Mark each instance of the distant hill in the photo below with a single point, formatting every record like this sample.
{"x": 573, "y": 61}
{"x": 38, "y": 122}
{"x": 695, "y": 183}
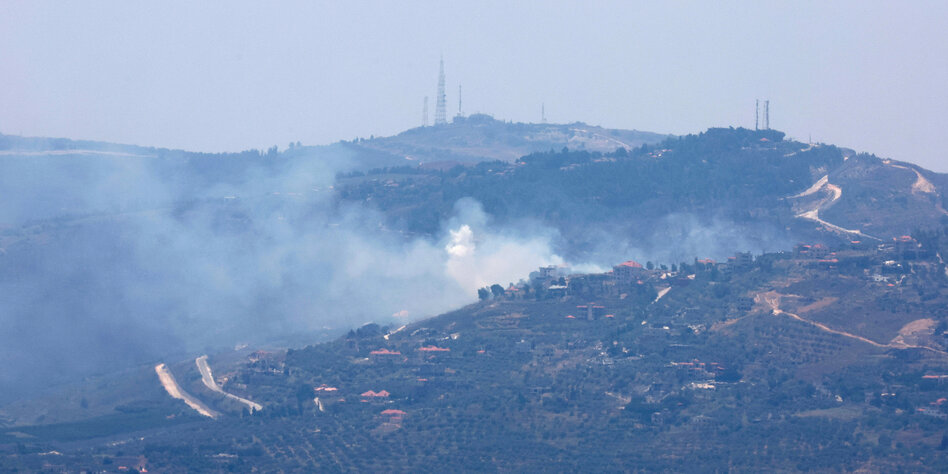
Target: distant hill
{"x": 480, "y": 137}
{"x": 709, "y": 194}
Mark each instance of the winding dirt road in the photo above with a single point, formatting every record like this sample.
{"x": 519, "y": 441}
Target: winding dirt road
{"x": 772, "y": 299}
{"x": 208, "y": 378}
{"x": 171, "y": 386}
{"x": 813, "y": 213}
{"x": 921, "y": 185}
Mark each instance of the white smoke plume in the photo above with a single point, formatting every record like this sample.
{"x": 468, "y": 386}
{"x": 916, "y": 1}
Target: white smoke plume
{"x": 131, "y": 263}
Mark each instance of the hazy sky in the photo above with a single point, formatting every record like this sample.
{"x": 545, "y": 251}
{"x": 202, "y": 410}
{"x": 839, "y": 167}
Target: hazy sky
{"x": 234, "y": 75}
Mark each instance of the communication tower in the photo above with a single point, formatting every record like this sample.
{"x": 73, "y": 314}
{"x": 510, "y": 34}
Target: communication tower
{"x": 542, "y": 113}
{"x": 762, "y": 118}
{"x": 757, "y": 114}
{"x": 440, "y": 112}
{"x": 767, "y": 115}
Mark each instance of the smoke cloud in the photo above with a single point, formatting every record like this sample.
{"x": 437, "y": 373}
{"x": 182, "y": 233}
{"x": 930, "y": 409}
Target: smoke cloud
{"x": 147, "y": 259}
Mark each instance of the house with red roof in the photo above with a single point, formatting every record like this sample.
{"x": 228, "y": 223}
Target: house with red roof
{"x": 375, "y": 397}
{"x": 628, "y": 272}
{"x": 324, "y": 389}
{"x": 434, "y": 348}
{"x": 816, "y": 251}
{"x": 593, "y": 310}
{"x": 384, "y": 352}
{"x": 392, "y": 417}
{"x": 385, "y": 355}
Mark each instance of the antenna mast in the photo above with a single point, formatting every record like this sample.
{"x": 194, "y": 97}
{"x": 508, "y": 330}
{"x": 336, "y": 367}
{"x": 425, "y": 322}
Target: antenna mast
{"x": 767, "y": 114}
{"x": 542, "y": 113}
{"x": 757, "y": 114}
{"x": 440, "y": 112}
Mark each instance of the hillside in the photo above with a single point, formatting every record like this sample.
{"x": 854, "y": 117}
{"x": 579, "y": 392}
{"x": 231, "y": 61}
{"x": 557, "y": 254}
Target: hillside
{"x": 175, "y": 246}
{"x": 705, "y": 195}
{"x": 754, "y": 362}
{"x": 815, "y": 341}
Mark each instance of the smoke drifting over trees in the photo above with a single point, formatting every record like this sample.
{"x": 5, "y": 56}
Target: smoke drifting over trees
{"x": 110, "y": 260}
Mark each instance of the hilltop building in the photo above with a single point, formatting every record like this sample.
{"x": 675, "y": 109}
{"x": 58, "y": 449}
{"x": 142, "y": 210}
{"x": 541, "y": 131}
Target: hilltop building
{"x": 628, "y": 272}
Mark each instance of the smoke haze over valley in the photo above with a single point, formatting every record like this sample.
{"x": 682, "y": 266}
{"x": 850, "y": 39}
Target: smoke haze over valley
{"x": 115, "y": 260}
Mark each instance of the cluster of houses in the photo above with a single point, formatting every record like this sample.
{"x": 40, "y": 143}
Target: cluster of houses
{"x": 325, "y": 395}
{"x": 266, "y": 362}
{"x": 883, "y": 263}
{"x": 557, "y": 281}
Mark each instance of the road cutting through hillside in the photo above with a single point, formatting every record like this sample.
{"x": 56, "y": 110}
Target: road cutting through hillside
{"x": 171, "y": 386}
{"x": 921, "y": 185}
{"x": 208, "y": 378}
{"x": 772, "y": 299}
{"x": 814, "y": 213}
{"x": 661, "y": 293}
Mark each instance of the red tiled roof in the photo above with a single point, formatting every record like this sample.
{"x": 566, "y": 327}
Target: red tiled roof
{"x": 324, "y": 388}
{"x": 570, "y": 316}
{"x": 434, "y": 349}
{"x": 372, "y": 393}
{"x": 393, "y": 412}
{"x": 384, "y": 351}
{"x": 630, "y": 263}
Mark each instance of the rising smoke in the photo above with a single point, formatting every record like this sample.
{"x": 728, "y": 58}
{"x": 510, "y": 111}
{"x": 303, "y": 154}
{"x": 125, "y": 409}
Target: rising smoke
{"x": 147, "y": 258}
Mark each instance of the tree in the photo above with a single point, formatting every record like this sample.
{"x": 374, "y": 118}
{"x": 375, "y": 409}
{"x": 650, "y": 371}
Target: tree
{"x": 483, "y": 293}
{"x": 649, "y": 265}
{"x": 304, "y": 393}
{"x": 497, "y": 290}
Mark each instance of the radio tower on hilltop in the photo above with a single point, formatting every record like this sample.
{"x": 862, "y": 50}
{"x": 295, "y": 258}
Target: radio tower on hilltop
{"x": 762, "y": 120}
{"x": 440, "y": 112}
{"x": 767, "y": 114}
